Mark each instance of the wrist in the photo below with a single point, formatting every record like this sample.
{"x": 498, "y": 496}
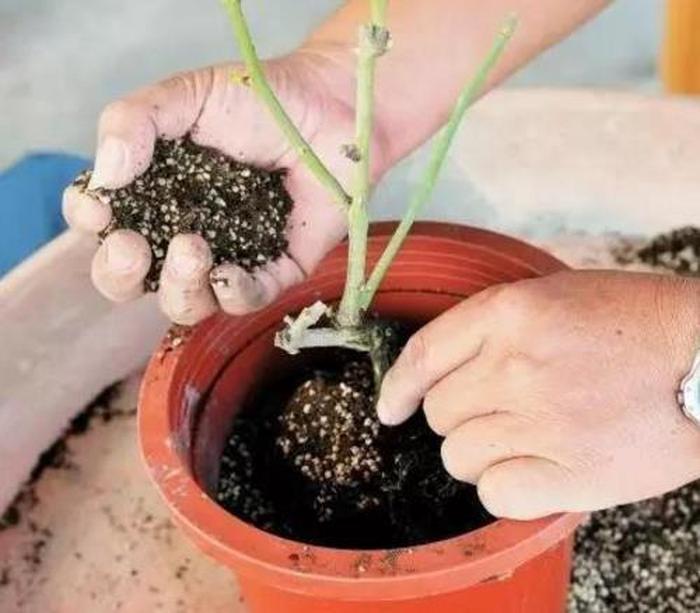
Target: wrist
{"x": 678, "y": 309}
{"x": 686, "y": 348}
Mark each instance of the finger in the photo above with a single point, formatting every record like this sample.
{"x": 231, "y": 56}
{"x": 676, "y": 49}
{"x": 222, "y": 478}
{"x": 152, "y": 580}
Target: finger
{"x": 83, "y": 212}
{"x": 470, "y": 449}
{"x": 446, "y": 342}
{"x": 121, "y": 264}
{"x": 185, "y": 295}
{"x": 315, "y": 215}
{"x": 128, "y": 127}
{"x": 240, "y": 292}
{"x": 527, "y": 488}
{"x": 467, "y": 392}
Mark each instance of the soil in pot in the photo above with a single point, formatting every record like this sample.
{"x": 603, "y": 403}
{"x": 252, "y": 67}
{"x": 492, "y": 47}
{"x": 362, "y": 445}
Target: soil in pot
{"x": 239, "y": 209}
{"x": 307, "y": 459}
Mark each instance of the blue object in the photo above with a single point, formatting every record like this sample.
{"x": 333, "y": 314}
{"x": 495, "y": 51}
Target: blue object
{"x": 30, "y": 203}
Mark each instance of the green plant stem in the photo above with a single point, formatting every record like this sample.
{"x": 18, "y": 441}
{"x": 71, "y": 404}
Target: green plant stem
{"x": 262, "y": 88}
{"x": 373, "y": 42}
{"x": 422, "y": 194}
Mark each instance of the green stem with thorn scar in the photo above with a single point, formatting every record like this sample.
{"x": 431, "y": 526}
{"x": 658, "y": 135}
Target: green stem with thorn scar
{"x": 374, "y": 41}
{"x": 256, "y": 76}
{"x": 422, "y": 194}
{"x": 347, "y": 328}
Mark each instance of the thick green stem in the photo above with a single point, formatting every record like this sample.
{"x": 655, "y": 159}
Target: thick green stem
{"x": 422, "y": 194}
{"x": 256, "y": 78}
{"x": 373, "y": 42}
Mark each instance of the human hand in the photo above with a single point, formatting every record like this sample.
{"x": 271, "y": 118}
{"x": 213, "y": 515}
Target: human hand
{"x": 227, "y": 116}
{"x": 558, "y": 394}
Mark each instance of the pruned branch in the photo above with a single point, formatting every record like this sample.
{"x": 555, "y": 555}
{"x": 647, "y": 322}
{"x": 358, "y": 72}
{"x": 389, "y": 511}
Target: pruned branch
{"x": 255, "y": 78}
{"x": 374, "y": 40}
{"x": 425, "y": 188}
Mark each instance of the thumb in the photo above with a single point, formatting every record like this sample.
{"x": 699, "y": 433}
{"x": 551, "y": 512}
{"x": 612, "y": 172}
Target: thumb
{"x": 527, "y": 488}
{"x": 128, "y": 127}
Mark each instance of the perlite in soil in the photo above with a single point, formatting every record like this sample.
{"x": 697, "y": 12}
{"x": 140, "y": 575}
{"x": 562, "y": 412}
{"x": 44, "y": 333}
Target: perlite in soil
{"x": 307, "y": 459}
{"x": 240, "y": 210}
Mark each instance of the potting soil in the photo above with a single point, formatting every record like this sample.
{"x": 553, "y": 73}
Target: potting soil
{"x": 240, "y": 210}
{"x": 309, "y": 460}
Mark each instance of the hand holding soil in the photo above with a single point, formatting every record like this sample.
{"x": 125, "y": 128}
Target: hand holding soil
{"x": 558, "y": 394}
{"x": 209, "y": 108}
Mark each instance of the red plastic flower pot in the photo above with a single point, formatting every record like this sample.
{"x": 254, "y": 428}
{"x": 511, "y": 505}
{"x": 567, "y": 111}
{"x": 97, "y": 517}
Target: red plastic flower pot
{"x": 192, "y": 392}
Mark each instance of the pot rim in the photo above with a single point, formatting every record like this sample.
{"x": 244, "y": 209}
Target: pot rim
{"x": 488, "y": 553}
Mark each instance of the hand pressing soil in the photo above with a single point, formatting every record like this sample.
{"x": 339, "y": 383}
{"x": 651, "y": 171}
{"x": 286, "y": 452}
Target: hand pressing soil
{"x": 240, "y": 210}
{"x": 309, "y": 460}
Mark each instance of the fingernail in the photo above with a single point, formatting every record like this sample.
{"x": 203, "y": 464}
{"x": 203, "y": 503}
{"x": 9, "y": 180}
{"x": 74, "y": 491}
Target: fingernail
{"x": 185, "y": 264}
{"x": 110, "y": 163}
{"x": 385, "y": 415}
{"x": 250, "y": 291}
{"x": 120, "y": 259}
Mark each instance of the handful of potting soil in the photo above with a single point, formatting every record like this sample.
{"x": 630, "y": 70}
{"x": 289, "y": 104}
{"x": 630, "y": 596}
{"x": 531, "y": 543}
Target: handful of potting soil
{"x": 239, "y": 209}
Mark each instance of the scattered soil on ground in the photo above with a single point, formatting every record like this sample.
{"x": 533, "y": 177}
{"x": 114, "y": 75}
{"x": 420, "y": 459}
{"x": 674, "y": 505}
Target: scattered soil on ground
{"x": 56, "y": 457}
{"x": 677, "y": 251}
{"x": 640, "y": 558}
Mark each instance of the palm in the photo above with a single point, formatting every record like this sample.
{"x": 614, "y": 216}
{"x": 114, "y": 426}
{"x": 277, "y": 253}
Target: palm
{"x": 227, "y": 116}
{"x": 234, "y": 121}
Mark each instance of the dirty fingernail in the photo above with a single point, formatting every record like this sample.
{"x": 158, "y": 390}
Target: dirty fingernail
{"x": 110, "y": 163}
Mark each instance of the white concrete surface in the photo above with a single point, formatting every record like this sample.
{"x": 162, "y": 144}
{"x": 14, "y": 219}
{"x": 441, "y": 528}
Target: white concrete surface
{"x": 62, "y": 344}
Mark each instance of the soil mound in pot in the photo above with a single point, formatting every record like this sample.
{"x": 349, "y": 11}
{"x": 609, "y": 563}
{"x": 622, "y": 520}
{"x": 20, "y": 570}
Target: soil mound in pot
{"x": 240, "y": 210}
{"x": 307, "y": 459}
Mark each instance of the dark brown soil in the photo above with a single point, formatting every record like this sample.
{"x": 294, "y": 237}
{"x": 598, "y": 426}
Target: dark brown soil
{"x": 22, "y": 510}
{"x": 640, "y": 558}
{"x": 240, "y": 210}
{"x": 308, "y": 460}
{"x": 58, "y": 456}
{"x": 677, "y": 251}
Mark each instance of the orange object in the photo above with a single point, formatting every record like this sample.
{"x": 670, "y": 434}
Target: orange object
{"x": 680, "y": 60}
{"x": 191, "y": 393}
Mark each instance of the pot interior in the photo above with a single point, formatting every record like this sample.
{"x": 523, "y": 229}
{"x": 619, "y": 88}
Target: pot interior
{"x": 260, "y": 365}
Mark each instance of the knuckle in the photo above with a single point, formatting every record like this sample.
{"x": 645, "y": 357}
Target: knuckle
{"x": 515, "y": 305}
{"x": 489, "y": 294}
{"x": 517, "y": 366}
{"x": 117, "y": 111}
{"x": 434, "y": 414}
{"x": 515, "y": 298}
{"x": 416, "y": 354}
